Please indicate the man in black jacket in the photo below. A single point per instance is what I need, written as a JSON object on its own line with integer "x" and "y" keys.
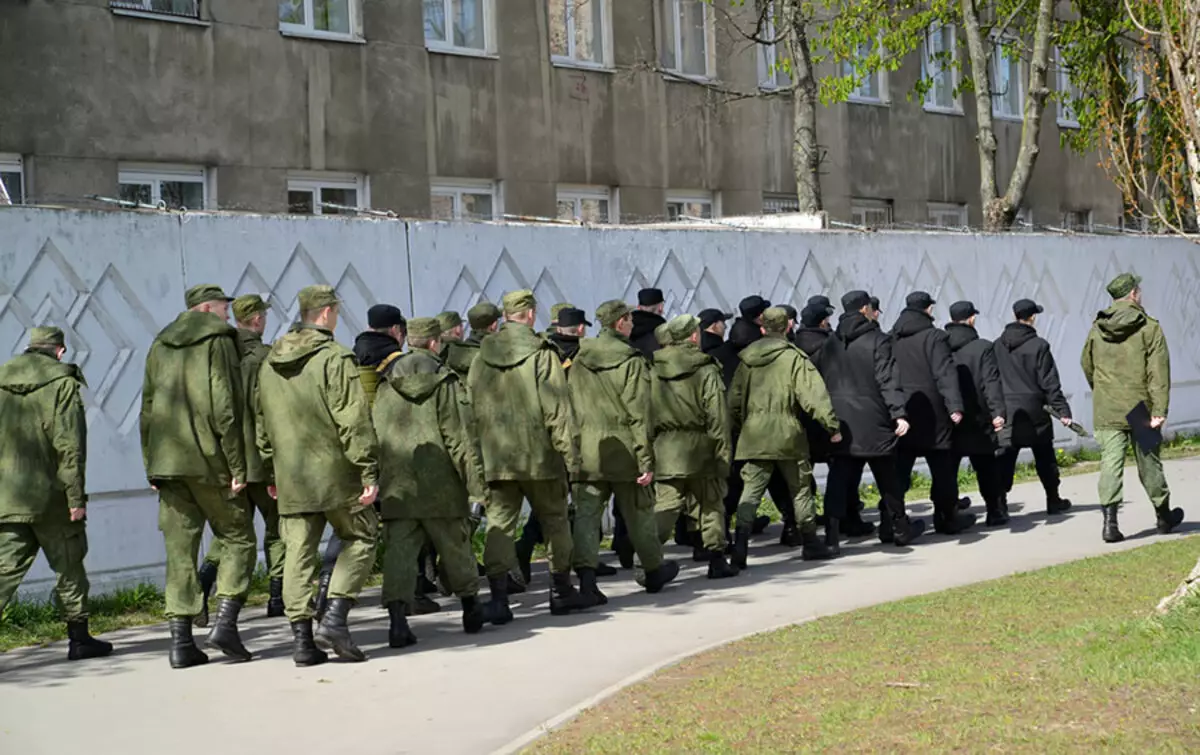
{"x": 712, "y": 329}
{"x": 571, "y": 325}
{"x": 983, "y": 405}
{"x": 647, "y": 317}
{"x": 864, "y": 386}
{"x": 746, "y": 330}
{"x": 1030, "y": 380}
{"x": 934, "y": 406}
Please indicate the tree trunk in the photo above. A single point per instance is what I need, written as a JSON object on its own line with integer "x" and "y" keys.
{"x": 806, "y": 156}
{"x": 1035, "y": 105}
{"x": 1189, "y": 586}
{"x": 995, "y": 215}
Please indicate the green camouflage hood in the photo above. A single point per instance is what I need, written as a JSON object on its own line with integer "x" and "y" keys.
{"x": 511, "y": 346}
{"x": 190, "y": 328}
{"x": 289, "y": 353}
{"x": 764, "y": 351}
{"x": 607, "y": 351}
{"x": 1120, "y": 321}
{"x": 248, "y": 341}
{"x": 460, "y": 354}
{"x": 679, "y": 361}
{"x": 417, "y": 374}
{"x": 32, "y": 370}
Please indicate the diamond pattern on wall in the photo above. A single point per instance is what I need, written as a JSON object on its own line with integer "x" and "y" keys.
{"x": 937, "y": 280}
{"x": 681, "y": 292}
{"x": 812, "y": 281}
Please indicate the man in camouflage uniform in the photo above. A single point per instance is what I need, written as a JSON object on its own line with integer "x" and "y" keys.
{"x": 429, "y": 474}
{"x": 484, "y": 319}
{"x": 43, "y": 495}
{"x": 195, "y": 456}
{"x": 691, "y": 439}
{"x": 250, "y": 314}
{"x": 316, "y": 440}
{"x": 527, "y": 436}
{"x": 451, "y": 324}
{"x": 609, "y": 385}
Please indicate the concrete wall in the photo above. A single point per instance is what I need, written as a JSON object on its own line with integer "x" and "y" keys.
{"x": 112, "y": 280}
{"x": 239, "y": 97}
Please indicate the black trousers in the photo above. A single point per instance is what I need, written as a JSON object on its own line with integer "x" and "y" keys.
{"x": 943, "y": 469}
{"x": 987, "y": 472}
{"x": 845, "y": 477}
{"x": 1043, "y": 460}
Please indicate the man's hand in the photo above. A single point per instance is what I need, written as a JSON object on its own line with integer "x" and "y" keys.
{"x": 998, "y": 423}
{"x": 835, "y": 438}
{"x": 956, "y": 417}
{"x": 901, "y": 428}
{"x": 273, "y": 492}
{"x": 78, "y": 515}
{"x": 1067, "y": 422}
{"x": 645, "y": 479}
{"x": 1157, "y": 422}
{"x": 236, "y": 487}
{"x": 369, "y": 494}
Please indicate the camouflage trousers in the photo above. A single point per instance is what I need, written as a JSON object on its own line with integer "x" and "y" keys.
{"x": 797, "y": 473}
{"x": 704, "y": 495}
{"x": 548, "y": 499}
{"x": 272, "y": 545}
{"x": 450, "y": 537}
{"x": 64, "y": 543}
{"x": 636, "y": 504}
{"x": 355, "y": 526}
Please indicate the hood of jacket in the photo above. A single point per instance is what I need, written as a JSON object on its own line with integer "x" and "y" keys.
{"x": 644, "y": 324}
{"x": 372, "y": 347}
{"x": 1016, "y": 335}
{"x": 960, "y": 335}
{"x": 764, "y": 351}
{"x": 417, "y": 374}
{"x": 606, "y": 351}
{"x": 854, "y": 325}
{"x": 565, "y": 343}
{"x": 810, "y": 340}
{"x": 248, "y": 341}
{"x": 910, "y": 322}
{"x": 743, "y": 333}
{"x": 679, "y": 361}
{"x": 190, "y": 328}
{"x": 1120, "y": 321}
{"x": 458, "y": 355}
{"x": 511, "y": 346}
{"x": 290, "y": 353}
{"x": 32, "y": 370}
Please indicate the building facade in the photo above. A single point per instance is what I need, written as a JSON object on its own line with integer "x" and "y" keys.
{"x": 593, "y": 109}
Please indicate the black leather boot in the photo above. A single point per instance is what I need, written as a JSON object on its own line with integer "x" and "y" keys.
{"x": 905, "y": 530}
{"x": 515, "y": 586}
{"x": 321, "y": 601}
{"x": 996, "y": 515}
{"x": 1168, "y": 518}
{"x": 760, "y": 524}
{"x": 951, "y": 521}
{"x": 604, "y": 570}
{"x": 1057, "y": 505}
{"x": 790, "y": 537}
{"x": 833, "y": 536}
{"x": 224, "y": 634}
{"x": 813, "y": 548}
{"x": 623, "y": 547}
{"x": 422, "y": 605}
{"x": 718, "y": 567}
{"x": 207, "y": 574}
{"x": 741, "y": 548}
{"x": 473, "y": 615}
{"x": 887, "y": 535}
{"x": 304, "y": 651}
{"x": 498, "y": 612}
{"x": 333, "y": 633}
{"x": 588, "y": 586}
{"x": 184, "y": 653}
{"x": 524, "y": 548}
{"x": 399, "y": 633}
{"x": 964, "y": 503}
{"x": 83, "y": 645}
{"x": 564, "y": 598}
{"x": 682, "y": 536}
{"x": 854, "y": 526}
{"x": 275, "y": 601}
{"x": 1111, "y": 532}
{"x": 657, "y": 579}
{"x": 699, "y": 552}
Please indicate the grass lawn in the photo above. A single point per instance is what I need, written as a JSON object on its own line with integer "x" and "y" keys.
{"x": 1066, "y": 659}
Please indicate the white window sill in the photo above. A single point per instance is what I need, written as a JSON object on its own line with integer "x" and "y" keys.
{"x": 584, "y": 65}
{"x": 686, "y": 78}
{"x": 877, "y": 102}
{"x": 1007, "y": 117}
{"x": 467, "y": 52}
{"x": 149, "y": 16}
{"x": 1068, "y": 124}
{"x": 938, "y": 109}
{"x": 323, "y": 36}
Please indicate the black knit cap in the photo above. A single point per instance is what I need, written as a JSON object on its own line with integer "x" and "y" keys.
{"x": 384, "y": 316}
{"x": 648, "y": 297}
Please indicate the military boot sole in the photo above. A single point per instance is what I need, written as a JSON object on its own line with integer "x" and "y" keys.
{"x": 188, "y": 658}
{"x": 1165, "y": 526}
{"x": 661, "y": 577}
{"x": 473, "y": 621}
{"x": 309, "y": 658}
{"x": 343, "y": 648}
{"x": 498, "y": 616}
{"x": 402, "y": 640}
{"x": 81, "y": 651}
{"x": 817, "y": 554}
{"x": 232, "y": 648}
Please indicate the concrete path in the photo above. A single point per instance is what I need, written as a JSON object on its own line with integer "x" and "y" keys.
{"x": 458, "y": 694}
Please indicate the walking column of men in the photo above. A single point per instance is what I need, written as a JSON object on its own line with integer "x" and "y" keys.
{"x": 684, "y": 430}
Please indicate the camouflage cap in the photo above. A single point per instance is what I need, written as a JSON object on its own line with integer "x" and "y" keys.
{"x": 610, "y": 312}
{"x": 482, "y": 315}
{"x": 424, "y": 327}
{"x": 449, "y": 320}
{"x": 203, "y": 294}
{"x": 775, "y": 320}
{"x": 557, "y": 308}
{"x": 516, "y": 302}
{"x": 682, "y": 327}
{"x": 1123, "y": 285}
{"x": 662, "y": 334}
{"x": 247, "y": 306}
{"x": 317, "y": 297}
{"x": 47, "y": 335}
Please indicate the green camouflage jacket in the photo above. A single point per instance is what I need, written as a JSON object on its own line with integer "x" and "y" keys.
{"x": 773, "y": 386}
{"x": 689, "y": 417}
{"x": 253, "y": 351}
{"x": 43, "y": 440}
{"x": 609, "y": 385}
{"x": 459, "y": 355}
{"x": 1125, "y": 361}
{"x": 192, "y": 404}
{"x": 314, "y": 426}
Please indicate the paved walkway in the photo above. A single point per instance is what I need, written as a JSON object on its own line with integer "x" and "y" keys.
{"x": 458, "y": 694}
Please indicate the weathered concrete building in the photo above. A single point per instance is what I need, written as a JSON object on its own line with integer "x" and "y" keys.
{"x": 476, "y": 108}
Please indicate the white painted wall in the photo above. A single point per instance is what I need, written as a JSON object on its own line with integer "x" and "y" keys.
{"x": 111, "y": 280}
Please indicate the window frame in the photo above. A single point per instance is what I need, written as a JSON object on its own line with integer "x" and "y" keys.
{"x": 314, "y": 182}
{"x": 156, "y": 174}
{"x": 144, "y": 8}
{"x": 447, "y": 47}
{"x": 945, "y": 210}
{"x": 579, "y": 192}
{"x": 606, "y": 42}
{"x": 689, "y": 196}
{"x": 768, "y": 57}
{"x": 1064, "y": 115}
{"x": 881, "y": 80}
{"x": 998, "y": 58}
{"x": 773, "y": 203}
{"x": 1086, "y": 215}
{"x": 456, "y": 187}
{"x": 309, "y": 30}
{"x": 710, "y": 64}
{"x": 14, "y": 163}
{"x": 863, "y": 205}
{"x": 928, "y": 65}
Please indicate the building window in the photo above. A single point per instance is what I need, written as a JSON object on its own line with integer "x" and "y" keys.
{"x": 586, "y": 204}
{"x": 332, "y": 18}
{"x": 188, "y": 8}
{"x": 1067, "y": 93}
{"x": 327, "y": 194}
{"x": 175, "y": 187}
{"x": 939, "y": 70}
{"x": 458, "y": 25}
{"x": 947, "y": 215}
{"x": 12, "y": 175}
{"x": 703, "y": 205}
{"x": 774, "y": 204}
{"x": 873, "y": 87}
{"x": 465, "y": 200}
{"x": 1077, "y": 220}
{"x": 772, "y": 62}
{"x": 579, "y": 32}
{"x": 871, "y": 213}
{"x": 687, "y": 38}
{"x": 1008, "y": 90}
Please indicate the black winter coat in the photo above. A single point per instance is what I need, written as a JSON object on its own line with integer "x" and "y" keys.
{"x": 812, "y": 341}
{"x": 568, "y": 346}
{"x": 742, "y": 334}
{"x": 710, "y": 342}
{"x": 863, "y": 383}
{"x": 979, "y": 384}
{"x": 642, "y": 337}
{"x": 1030, "y": 380}
{"x": 371, "y": 347}
{"x": 929, "y": 381}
